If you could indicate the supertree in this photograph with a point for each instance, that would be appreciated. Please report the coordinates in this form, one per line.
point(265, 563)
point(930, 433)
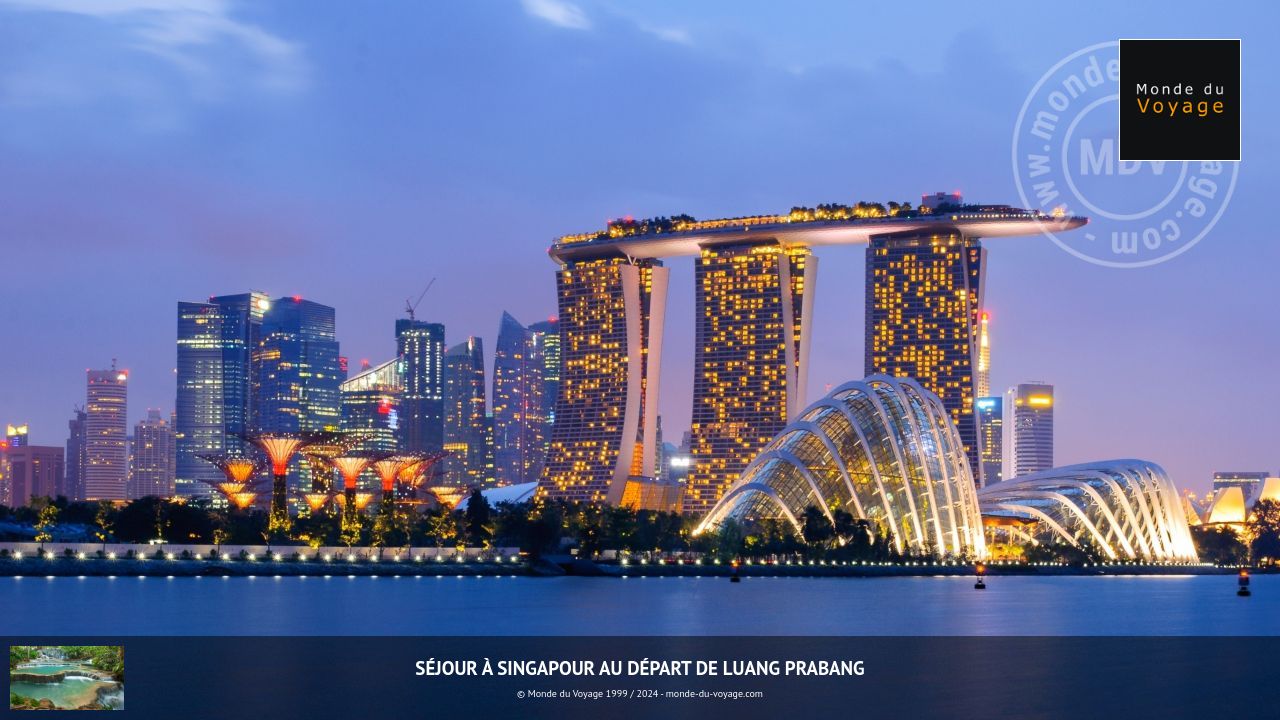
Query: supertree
point(239, 486)
point(280, 447)
point(413, 472)
point(352, 500)
point(320, 456)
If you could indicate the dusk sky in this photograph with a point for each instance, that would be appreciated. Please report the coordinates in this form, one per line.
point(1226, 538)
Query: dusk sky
point(154, 151)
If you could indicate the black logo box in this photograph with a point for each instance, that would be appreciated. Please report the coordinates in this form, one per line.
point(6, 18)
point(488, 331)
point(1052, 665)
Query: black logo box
point(1188, 68)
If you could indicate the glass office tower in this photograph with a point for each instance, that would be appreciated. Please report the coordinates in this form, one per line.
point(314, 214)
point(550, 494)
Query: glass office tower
point(298, 372)
point(216, 381)
point(421, 345)
point(465, 436)
point(519, 406)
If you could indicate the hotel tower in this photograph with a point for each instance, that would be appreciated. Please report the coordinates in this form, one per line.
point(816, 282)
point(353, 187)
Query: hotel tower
point(611, 313)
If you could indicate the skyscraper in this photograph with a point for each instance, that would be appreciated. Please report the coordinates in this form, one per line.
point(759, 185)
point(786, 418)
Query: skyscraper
point(298, 373)
point(151, 464)
point(421, 345)
point(33, 471)
point(611, 312)
point(1029, 432)
point(753, 304)
point(990, 416)
point(923, 308)
point(74, 459)
point(548, 332)
point(371, 402)
point(464, 415)
point(216, 384)
point(983, 385)
point(106, 427)
point(519, 409)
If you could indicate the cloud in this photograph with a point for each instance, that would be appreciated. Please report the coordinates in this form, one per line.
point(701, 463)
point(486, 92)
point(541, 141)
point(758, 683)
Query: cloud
point(670, 34)
point(195, 36)
point(558, 12)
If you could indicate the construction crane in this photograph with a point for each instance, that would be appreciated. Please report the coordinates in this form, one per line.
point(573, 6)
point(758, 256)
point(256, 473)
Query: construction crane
point(410, 307)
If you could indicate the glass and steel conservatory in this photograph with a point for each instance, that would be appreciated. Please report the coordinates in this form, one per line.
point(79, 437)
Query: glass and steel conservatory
point(882, 449)
point(1125, 509)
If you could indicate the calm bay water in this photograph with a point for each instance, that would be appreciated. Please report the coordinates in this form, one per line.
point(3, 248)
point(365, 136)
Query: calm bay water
point(449, 605)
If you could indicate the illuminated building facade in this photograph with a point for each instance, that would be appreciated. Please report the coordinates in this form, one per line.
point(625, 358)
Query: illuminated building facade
point(421, 345)
point(1250, 483)
point(611, 312)
point(923, 310)
point(548, 333)
point(753, 308)
point(33, 471)
point(1116, 509)
point(151, 457)
point(984, 356)
point(299, 379)
point(371, 407)
point(519, 407)
point(106, 429)
point(464, 415)
point(883, 450)
point(216, 384)
point(1029, 431)
point(74, 459)
point(990, 414)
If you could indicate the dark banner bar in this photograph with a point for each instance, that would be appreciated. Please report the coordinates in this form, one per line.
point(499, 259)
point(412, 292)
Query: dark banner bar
point(740, 677)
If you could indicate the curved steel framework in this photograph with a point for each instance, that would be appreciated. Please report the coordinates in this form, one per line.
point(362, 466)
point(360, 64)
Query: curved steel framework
point(1126, 509)
point(882, 449)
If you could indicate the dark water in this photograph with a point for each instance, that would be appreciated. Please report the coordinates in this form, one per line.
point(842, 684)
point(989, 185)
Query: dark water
point(431, 605)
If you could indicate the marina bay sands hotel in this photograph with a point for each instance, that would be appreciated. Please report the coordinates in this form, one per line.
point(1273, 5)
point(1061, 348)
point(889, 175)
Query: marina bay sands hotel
point(754, 294)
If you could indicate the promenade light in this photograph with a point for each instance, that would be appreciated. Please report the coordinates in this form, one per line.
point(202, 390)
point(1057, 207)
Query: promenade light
point(279, 557)
point(111, 555)
point(48, 556)
point(328, 557)
point(252, 557)
point(80, 556)
point(226, 556)
point(17, 555)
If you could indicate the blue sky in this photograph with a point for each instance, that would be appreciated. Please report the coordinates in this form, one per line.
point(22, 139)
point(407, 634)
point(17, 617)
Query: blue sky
point(155, 151)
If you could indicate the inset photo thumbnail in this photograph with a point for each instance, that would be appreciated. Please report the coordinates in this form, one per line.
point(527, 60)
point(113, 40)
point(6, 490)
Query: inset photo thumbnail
point(66, 677)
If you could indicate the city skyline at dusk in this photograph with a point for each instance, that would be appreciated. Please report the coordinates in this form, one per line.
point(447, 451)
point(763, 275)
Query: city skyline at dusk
point(229, 154)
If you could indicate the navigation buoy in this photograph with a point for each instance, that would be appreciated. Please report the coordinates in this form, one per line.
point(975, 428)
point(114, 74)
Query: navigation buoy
point(735, 577)
point(1243, 580)
point(981, 570)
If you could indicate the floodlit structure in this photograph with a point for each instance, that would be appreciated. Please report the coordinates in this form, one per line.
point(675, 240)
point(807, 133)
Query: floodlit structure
point(1228, 506)
point(1124, 509)
point(239, 483)
point(350, 467)
point(884, 450)
point(279, 449)
point(755, 300)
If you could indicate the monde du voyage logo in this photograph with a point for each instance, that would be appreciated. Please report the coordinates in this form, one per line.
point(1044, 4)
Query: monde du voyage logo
point(1155, 172)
